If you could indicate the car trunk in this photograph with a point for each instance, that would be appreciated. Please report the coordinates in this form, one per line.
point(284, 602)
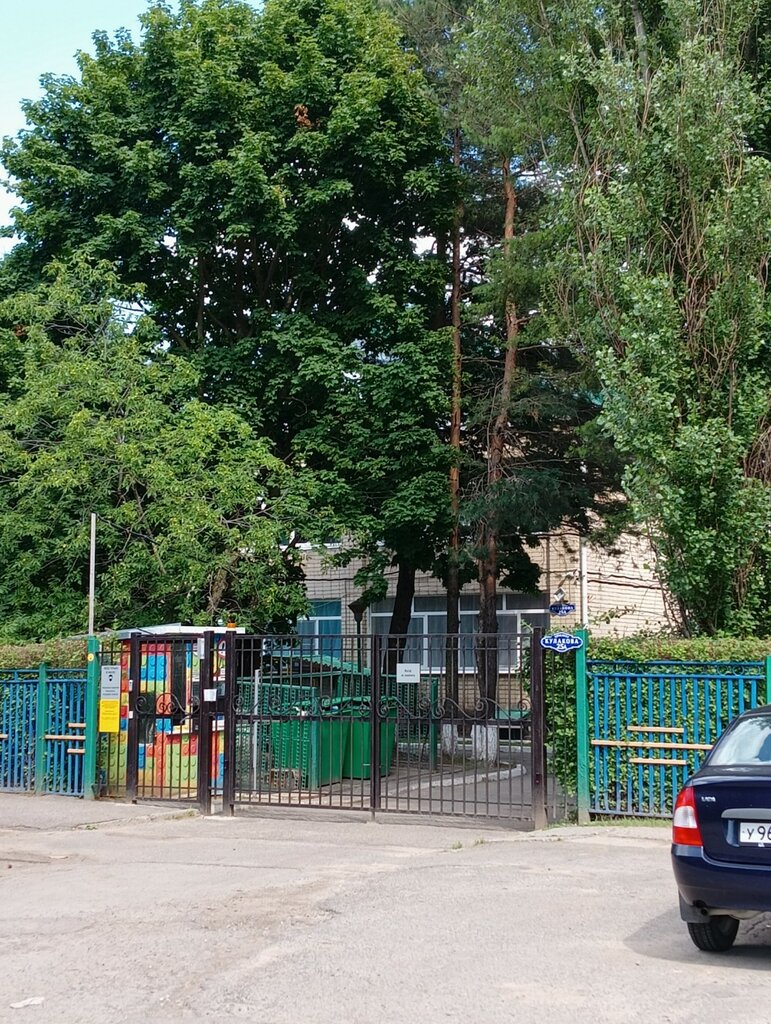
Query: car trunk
point(728, 798)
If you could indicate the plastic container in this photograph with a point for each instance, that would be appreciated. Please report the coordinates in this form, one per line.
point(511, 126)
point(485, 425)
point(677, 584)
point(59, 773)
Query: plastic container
point(357, 762)
point(311, 743)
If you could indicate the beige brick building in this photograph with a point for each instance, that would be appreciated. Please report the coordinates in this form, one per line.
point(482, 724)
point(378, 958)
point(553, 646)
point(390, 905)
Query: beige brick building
point(622, 592)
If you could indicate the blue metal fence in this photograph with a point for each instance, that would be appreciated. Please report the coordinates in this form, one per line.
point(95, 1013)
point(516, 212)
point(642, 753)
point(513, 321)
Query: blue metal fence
point(65, 732)
point(650, 723)
point(18, 719)
point(42, 730)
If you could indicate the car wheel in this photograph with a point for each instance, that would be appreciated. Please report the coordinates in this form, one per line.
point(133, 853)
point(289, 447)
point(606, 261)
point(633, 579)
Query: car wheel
point(716, 934)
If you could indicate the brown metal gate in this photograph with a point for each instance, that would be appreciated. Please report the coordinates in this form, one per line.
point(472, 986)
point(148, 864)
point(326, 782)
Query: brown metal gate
point(174, 738)
point(377, 723)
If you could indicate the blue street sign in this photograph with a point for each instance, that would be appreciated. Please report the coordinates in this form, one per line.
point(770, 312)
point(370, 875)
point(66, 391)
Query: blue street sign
point(562, 609)
point(561, 642)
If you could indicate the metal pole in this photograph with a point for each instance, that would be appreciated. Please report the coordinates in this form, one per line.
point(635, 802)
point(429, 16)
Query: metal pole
point(584, 583)
point(374, 726)
point(537, 734)
point(92, 720)
point(92, 576)
point(582, 730)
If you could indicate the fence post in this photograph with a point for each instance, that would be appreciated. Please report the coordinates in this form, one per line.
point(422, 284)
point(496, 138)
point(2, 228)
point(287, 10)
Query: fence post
point(132, 732)
point(768, 679)
point(41, 727)
point(374, 724)
point(537, 732)
point(582, 729)
point(92, 715)
point(229, 741)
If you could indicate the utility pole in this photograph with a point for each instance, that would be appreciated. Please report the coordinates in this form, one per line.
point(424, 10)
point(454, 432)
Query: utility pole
point(92, 576)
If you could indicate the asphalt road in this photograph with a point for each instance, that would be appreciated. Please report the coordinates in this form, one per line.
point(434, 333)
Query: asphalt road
point(307, 919)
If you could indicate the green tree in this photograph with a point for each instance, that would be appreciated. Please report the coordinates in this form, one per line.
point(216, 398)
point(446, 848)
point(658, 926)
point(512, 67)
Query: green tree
point(433, 31)
point(530, 469)
point(518, 396)
point(381, 461)
point(97, 417)
point(668, 288)
point(259, 176)
point(258, 180)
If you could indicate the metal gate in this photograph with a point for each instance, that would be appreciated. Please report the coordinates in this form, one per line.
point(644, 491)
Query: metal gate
point(433, 724)
point(170, 740)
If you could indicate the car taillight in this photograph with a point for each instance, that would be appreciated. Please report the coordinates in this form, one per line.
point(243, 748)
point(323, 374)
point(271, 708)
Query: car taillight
point(685, 824)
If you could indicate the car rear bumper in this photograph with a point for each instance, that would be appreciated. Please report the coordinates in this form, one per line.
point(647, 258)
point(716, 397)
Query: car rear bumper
point(719, 885)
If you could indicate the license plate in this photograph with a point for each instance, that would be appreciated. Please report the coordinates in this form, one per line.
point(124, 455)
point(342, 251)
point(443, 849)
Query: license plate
point(754, 833)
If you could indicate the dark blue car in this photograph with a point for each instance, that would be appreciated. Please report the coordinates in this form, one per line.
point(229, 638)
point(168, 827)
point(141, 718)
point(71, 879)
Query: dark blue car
point(721, 834)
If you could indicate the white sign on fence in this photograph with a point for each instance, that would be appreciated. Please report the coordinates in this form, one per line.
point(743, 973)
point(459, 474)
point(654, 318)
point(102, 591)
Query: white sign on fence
point(109, 699)
point(109, 688)
point(409, 672)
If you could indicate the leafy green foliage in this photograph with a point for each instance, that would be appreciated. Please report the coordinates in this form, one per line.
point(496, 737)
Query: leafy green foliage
point(258, 179)
point(192, 506)
point(670, 300)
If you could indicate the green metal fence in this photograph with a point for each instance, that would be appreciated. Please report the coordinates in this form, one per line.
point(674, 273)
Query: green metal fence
point(644, 727)
point(43, 730)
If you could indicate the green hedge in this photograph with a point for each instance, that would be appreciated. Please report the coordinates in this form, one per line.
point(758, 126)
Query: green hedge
point(63, 653)
point(673, 648)
point(560, 682)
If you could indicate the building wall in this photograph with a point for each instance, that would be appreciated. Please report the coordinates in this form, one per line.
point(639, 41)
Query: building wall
point(624, 594)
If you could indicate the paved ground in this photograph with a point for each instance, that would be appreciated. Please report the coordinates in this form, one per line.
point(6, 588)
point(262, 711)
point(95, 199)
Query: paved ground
point(124, 914)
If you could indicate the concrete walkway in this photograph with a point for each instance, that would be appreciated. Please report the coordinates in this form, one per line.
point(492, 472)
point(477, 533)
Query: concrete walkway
point(301, 918)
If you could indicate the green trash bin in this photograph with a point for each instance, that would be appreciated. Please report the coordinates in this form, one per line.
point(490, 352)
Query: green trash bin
point(311, 741)
point(357, 763)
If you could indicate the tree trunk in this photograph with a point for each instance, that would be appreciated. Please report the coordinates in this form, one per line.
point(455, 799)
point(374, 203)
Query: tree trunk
point(487, 655)
point(453, 580)
point(400, 617)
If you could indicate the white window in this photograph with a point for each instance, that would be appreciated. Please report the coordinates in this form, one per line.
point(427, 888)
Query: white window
point(518, 615)
point(325, 622)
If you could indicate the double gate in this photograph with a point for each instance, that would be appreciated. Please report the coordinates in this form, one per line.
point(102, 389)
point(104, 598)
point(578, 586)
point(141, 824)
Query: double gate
point(432, 724)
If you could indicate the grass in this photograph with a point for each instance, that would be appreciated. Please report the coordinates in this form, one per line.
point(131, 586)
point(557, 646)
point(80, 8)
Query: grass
point(634, 822)
point(604, 821)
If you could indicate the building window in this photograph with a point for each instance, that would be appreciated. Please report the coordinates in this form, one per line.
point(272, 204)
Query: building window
point(326, 623)
point(518, 615)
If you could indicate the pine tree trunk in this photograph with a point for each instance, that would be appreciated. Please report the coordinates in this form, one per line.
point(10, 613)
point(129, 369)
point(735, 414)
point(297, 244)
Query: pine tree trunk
point(453, 580)
point(487, 652)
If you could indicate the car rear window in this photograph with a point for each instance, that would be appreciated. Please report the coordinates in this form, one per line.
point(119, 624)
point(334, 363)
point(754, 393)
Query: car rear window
point(748, 743)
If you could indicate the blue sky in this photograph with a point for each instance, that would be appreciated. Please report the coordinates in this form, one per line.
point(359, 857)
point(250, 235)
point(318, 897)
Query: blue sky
point(41, 36)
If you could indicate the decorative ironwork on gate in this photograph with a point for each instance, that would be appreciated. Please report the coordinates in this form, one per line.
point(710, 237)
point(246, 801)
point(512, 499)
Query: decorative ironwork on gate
point(170, 740)
point(379, 723)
